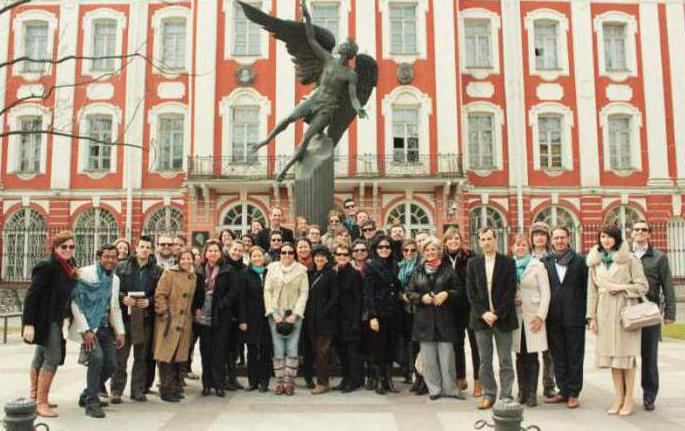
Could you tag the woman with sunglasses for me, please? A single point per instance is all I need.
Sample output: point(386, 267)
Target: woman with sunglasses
point(286, 290)
point(45, 308)
point(258, 335)
point(360, 255)
point(383, 307)
point(408, 348)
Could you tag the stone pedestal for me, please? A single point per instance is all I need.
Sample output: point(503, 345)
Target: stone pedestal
point(314, 181)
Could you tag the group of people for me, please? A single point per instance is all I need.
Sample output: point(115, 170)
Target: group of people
point(351, 297)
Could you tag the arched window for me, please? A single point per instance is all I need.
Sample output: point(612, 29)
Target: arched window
point(557, 216)
point(92, 229)
point(24, 238)
point(239, 216)
point(167, 220)
point(624, 217)
point(487, 216)
point(412, 216)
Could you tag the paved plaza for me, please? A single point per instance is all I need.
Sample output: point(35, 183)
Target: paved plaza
point(358, 411)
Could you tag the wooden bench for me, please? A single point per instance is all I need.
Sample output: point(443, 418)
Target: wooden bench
point(10, 308)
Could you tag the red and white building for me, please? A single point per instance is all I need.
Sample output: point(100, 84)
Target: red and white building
point(502, 112)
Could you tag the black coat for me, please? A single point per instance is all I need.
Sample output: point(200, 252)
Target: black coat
point(433, 323)
point(382, 289)
point(258, 331)
point(461, 259)
point(568, 302)
point(503, 292)
point(128, 272)
point(228, 299)
point(321, 315)
point(350, 286)
point(264, 237)
point(47, 299)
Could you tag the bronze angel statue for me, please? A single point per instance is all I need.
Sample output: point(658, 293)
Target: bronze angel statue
point(341, 91)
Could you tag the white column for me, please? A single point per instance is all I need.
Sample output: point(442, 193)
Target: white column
point(4, 53)
point(367, 129)
point(655, 107)
point(675, 25)
point(445, 77)
point(586, 104)
point(285, 84)
point(63, 116)
point(512, 50)
point(204, 103)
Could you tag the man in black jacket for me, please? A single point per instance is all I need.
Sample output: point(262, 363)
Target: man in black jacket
point(275, 219)
point(139, 275)
point(491, 289)
point(567, 274)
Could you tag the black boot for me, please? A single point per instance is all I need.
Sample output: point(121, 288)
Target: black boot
point(381, 388)
point(372, 379)
point(309, 382)
point(351, 385)
point(83, 400)
point(422, 389)
point(387, 379)
point(94, 409)
point(340, 386)
point(417, 382)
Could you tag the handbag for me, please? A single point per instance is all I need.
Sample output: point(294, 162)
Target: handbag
point(640, 315)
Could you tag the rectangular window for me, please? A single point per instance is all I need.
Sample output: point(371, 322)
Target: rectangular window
point(246, 34)
point(174, 44)
point(29, 145)
point(35, 46)
point(170, 143)
point(615, 46)
point(405, 129)
point(403, 29)
point(481, 141)
point(104, 44)
point(550, 141)
point(478, 43)
point(326, 15)
point(245, 134)
point(546, 56)
point(619, 142)
point(99, 154)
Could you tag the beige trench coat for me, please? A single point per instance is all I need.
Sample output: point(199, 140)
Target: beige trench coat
point(173, 315)
point(534, 292)
point(286, 291)
point(605, 308)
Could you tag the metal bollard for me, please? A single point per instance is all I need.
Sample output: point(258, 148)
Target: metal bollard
point(507, 416)
point(20, 414)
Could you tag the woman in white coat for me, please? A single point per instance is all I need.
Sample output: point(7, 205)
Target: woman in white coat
point(532, 302)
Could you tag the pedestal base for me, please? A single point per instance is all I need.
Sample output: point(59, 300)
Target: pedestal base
point(314, 182)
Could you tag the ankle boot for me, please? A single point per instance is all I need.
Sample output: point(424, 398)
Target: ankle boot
point(417, 382)
point(387, 379)
point(423, 388)
point(42, 391)
point(372, 379)
point(94, 408)
point(380, 386)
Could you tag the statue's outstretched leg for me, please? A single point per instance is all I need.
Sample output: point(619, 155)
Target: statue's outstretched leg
point(317, 126)
point(300, 111)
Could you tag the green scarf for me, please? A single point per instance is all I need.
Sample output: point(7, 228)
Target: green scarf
point(521, 265)
point(94, 299)
point(608, 257)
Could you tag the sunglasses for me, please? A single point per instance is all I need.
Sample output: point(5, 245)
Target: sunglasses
point(368, 229)
point(276, 239)
point(287, 253)
point(342, 254)
point(383, 247)
point(410, 250)
point(166, 244)
point(359, 250)
point(641, 229)
point(349, 206)
point(67, 247)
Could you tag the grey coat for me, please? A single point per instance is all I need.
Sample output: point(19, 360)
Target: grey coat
point(658, 274)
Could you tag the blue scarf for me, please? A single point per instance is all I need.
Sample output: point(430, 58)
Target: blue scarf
point(94, 299)
point(608, 257)
point(521, 265)
point(406, 269)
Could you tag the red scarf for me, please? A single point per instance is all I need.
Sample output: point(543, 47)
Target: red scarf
point(306, 261)
point(433, 265)
point(67, 267)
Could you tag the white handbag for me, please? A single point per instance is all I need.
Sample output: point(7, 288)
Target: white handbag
point(640, 314)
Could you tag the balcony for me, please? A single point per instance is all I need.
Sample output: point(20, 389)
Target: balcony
point(366, 166)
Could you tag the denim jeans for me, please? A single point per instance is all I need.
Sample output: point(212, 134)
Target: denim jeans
point(503, 341)
point(49, 356)
point(285, 345)
point(103, 361)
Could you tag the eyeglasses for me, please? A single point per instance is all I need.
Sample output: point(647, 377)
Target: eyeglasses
point(641, 229)
point(410, 250)
point(276, 239)
point(166, 244)
point(342, 254)
point(383, 247)
point(359, 250)
point(287, 253)
point(67, 247)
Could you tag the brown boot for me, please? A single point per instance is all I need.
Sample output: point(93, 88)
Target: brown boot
point(42, 391)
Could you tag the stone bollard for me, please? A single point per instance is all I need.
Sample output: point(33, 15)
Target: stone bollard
point(507, 416)
point(20, 414)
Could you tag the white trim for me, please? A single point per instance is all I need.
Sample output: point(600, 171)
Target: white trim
point(407, 203)
point(13, 117)
point(344, 8)
point(421, 31)
point(18, 51)
point(88, 25)
point(566, 114)
point(171, 13)
point(622, 108)
point(104, 109)
point(153, 120)
point(285, 86)
point(205, 78)
point(445, 79)
point(498, 116)
point(495, 24)
point(242, 97)
point(675, 19)
point(631, 45)
point(228, 7)
point(407, 95)
point(367, 130)
point(561, 21)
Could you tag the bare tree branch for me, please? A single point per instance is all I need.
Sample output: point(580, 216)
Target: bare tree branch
point(71, 135)
point(13, 5)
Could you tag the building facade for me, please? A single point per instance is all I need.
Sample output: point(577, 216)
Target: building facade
point(486, 112)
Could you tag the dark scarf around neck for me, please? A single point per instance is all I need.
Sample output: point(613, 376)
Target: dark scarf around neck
point(563, 259)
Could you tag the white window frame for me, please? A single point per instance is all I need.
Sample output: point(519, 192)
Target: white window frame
point(13, 122)
point(89, 20)
point(18, 26)
point(104, 109)
point(158, 19)
point(243, 97)
point(153, 121)
point(498, 117)
point(421, 31)
point(408, 226)
point(407, 95)
point(229, 14)
point(344, 8)
point(495, 23)
point(561, 20)
point(631, 44)
point(626, 109)
point(567, 124)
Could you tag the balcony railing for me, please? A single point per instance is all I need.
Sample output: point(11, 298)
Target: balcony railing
point(360, 166)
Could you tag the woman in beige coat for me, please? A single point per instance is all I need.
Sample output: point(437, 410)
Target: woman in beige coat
point(178, 299)
point(615, 280)
point(532, 302)
point(286, 289)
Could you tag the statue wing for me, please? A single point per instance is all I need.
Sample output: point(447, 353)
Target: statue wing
point(308, 66)
point(367, 78)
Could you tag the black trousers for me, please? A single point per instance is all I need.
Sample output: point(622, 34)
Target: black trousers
point(307, 353)
point(408, 350)
point(169, 378)
point(650, 369)
point(383, 341)
point(567, 345)
point(259, 363)
point(460, 351)
point(233, 348)
point(350, 361)
point(213, 346)
point(527, 369)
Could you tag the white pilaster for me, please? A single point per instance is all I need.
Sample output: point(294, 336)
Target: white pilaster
point(675, 25)
point(586, 103)
point(4, 53)
point(367, 129)
point(512, 49)
point(204, 103)
point(653, 79)
point(63, 116)
point(285, 84)
point(445, 81)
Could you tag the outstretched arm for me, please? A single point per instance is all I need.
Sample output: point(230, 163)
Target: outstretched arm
point(321, 53)
point(354, 100)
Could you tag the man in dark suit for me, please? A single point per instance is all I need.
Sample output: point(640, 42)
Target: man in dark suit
point(275, 219)
point(567, 274)
point(491, 289)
